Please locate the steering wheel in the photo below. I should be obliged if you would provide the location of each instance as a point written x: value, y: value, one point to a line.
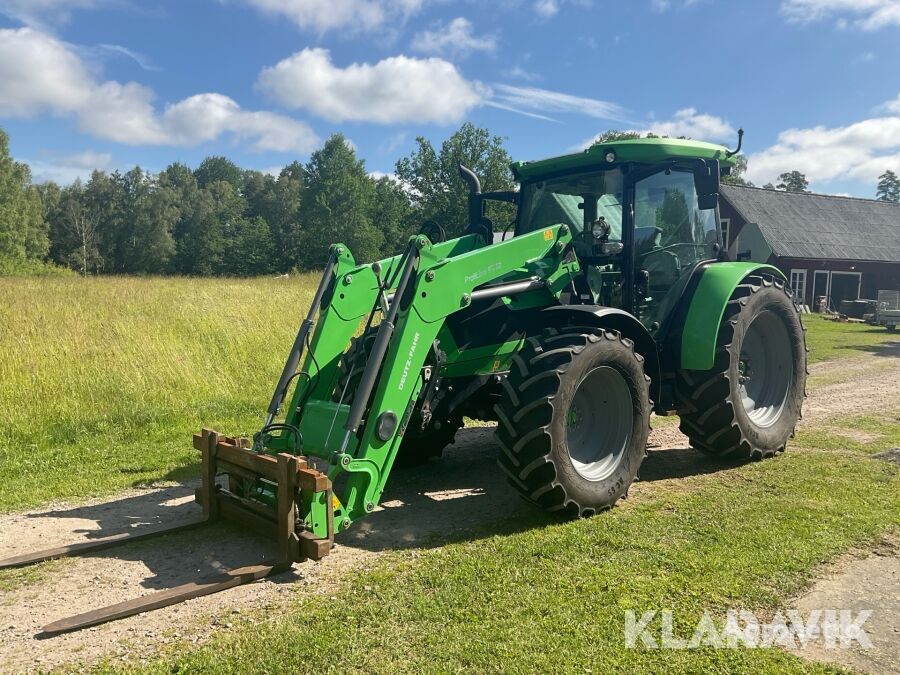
x: 669, y: 247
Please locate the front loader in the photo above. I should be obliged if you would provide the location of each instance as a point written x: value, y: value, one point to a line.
x: 611, y: 298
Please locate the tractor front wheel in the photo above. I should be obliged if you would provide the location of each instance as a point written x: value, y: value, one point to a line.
x: 574, y: 419
x: 748, y: 404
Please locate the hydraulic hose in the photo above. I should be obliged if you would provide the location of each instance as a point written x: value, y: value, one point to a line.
x: 293, y: 359
x: 379, y: 350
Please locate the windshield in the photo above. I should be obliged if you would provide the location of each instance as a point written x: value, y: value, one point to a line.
x: 573, y: 200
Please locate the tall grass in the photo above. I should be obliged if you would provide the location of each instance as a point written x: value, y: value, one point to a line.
x: 102, y: 380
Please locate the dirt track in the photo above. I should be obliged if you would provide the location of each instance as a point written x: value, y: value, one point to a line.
x: 424, y: 507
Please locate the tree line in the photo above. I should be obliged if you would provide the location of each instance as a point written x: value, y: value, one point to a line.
x: 221, y: 220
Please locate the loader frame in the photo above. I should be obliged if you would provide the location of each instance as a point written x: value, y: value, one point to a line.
x: 433, y: 281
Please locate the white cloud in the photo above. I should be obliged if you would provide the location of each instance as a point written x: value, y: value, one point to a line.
x: 378, y: 175
x: 519, y: 73
x: 546, y: 8
x: 404, y: 89
x: 455, y: 37
x: 123, y: 113
x: 860, y: 151
x: 865, y: 14
x: 891, y: 107
x: 396, y: 89
x: 348, y: 15
x: 663, y: 5
x: 688, y: 122
x: 40, y: 74
x: 43, y: 12
x: 273, y: 171
x: 66, y: 169
x: 119, y: 50
x: 535, y: 101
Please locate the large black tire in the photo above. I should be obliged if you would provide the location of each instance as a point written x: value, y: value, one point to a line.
x: 748, y: 405
x: 418, y: 445
x: 558, y: 382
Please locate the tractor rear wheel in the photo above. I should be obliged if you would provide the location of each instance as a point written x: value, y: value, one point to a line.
x: 573, y: 420
x: 749, y: 403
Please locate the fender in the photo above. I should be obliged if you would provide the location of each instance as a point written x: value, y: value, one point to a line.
x: 706, y: 307
x: 612, y: 319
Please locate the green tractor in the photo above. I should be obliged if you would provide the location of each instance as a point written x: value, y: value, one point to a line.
x: 611, y: 298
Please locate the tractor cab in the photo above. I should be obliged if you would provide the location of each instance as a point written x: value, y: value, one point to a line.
x: 644, y: 214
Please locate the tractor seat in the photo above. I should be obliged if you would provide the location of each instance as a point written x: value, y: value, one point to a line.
x: 664, y: 268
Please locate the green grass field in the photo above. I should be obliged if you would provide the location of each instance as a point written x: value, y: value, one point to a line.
x: 544, y: 596
x: 829, y: 340
x: 104, y: 380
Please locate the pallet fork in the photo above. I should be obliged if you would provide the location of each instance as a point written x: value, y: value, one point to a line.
x: 220, y: 454
x: 272, y: 488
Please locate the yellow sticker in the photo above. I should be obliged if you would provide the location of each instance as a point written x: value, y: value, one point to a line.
x: 548, y: 235
x: 496, y: 366
x: 335, y: 502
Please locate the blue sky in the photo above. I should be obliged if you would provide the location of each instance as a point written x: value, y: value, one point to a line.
x: 112, y: 83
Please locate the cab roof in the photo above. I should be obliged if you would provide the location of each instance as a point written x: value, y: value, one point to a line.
x: 640, y: 150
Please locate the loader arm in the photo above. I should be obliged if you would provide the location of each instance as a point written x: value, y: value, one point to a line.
x: 444, y: 279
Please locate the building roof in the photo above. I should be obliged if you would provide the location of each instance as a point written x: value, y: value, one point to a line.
x: 805, y: 225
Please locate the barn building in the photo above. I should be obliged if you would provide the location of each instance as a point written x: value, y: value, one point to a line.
x: 841, y: 248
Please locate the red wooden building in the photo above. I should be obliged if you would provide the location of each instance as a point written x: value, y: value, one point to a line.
x: 842, y: 248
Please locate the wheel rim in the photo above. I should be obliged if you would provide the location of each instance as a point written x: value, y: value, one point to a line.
x: 765, y: 371
x: 598, y: 423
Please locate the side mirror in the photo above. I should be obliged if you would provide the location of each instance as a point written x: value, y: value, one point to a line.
x: 706, y: 181
x: 708, y: 201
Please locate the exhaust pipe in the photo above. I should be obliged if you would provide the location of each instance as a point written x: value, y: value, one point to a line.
x: 476, y: 204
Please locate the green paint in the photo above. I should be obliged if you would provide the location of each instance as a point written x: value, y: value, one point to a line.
x: 701, y: 327
x: 443, y: 280
x: 641, y: 150
x: 445, y: 276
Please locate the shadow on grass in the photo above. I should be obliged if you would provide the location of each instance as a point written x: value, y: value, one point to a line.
x: 683, y: 463
x: 884, y: 349
x: 173, y: 559
x: 461, y: 497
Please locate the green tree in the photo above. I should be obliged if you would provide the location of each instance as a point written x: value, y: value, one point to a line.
x: 179, y: 181
x: 250, y: 250
x: 79, y: 230
x: 337, y: 206
x: 284, y: 217
x: 392, y: 214
x: 139, y: 217
x: 888, y: 187
x: 673, y: 217
x: 216, y: 212
x: 23, y: 230
x: 433, y: 177
x: 105, y: 197
x: 736, y: 177
x: 214, y: 169
x: 793, y: 181
x: 616, y: 135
